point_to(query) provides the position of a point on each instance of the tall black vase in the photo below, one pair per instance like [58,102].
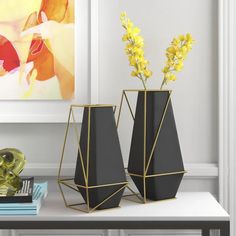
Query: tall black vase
[102,159]
[155,160]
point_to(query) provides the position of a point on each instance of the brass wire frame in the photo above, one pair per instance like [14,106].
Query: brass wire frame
[145,163]
[69,183]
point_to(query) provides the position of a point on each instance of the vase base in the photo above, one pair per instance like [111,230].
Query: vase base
[159,187]
[104,197]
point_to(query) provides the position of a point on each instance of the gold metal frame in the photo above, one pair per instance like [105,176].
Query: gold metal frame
[69,183]
[146,164]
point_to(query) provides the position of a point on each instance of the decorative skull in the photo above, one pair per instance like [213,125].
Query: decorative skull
[12,162]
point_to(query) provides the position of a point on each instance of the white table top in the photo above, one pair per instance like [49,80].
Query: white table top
[189,206]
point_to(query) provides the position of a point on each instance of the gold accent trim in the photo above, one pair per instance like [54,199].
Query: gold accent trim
[64,144]
[158,132]
[144,90]
[131,112]
[144,147]
[119,113]
[62,181]
[146,163]
[91,105]
[158,175]
[69,182]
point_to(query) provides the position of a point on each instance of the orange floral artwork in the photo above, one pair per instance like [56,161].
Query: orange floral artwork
[37,49]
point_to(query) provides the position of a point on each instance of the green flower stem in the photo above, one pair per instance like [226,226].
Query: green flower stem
[145,88]
[163,83]
[141,78]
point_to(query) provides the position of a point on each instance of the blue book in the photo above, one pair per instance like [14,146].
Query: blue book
[39,194]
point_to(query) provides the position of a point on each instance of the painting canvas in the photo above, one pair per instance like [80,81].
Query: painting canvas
[37,49]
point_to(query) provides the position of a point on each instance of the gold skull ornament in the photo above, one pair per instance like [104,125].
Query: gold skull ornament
[12,162]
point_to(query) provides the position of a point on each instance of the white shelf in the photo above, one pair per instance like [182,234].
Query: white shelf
[188,206]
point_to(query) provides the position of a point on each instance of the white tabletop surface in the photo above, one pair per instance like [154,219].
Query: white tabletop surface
[188,206]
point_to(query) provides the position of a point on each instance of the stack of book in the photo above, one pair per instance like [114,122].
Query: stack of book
[27,201]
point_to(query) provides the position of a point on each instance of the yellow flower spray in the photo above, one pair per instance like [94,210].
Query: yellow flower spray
[176,54]
[134,50]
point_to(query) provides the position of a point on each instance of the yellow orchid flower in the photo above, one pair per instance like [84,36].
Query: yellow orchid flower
[176,53]
[182,37]
[135,50]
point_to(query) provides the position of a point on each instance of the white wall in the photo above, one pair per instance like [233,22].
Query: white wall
[195,91]
[42,143]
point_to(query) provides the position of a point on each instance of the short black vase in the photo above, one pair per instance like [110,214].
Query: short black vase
[100,174]
[155,160]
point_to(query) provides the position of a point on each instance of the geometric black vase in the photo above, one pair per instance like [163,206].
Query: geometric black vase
[100,175]
[155,160]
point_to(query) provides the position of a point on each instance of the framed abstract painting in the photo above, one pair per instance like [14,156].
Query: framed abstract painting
[44,61]
[37,49]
